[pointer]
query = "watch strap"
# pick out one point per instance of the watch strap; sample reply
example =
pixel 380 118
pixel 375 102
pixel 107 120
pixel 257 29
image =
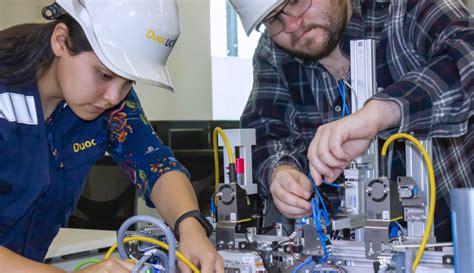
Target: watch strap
pixel 198 216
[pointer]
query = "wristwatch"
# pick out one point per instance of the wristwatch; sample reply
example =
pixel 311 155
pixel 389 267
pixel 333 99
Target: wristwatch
pixel 198 216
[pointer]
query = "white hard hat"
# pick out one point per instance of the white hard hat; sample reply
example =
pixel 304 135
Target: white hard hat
pixel 132 38
pixel 252 12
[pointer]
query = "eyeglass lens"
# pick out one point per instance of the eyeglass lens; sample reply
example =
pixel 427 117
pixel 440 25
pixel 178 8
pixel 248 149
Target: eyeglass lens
pixel 293 8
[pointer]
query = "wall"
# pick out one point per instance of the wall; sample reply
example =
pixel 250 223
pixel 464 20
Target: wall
pixel 470 5
pixel 189 63
pixel 190 70
pixel 229 87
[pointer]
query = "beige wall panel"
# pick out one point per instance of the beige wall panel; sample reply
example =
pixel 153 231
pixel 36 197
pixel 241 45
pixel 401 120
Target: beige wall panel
pixel 190 70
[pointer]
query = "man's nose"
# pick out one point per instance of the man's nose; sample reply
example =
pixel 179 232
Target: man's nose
pixel 291 24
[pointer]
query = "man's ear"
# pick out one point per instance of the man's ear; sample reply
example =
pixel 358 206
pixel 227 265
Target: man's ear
pixel 59 40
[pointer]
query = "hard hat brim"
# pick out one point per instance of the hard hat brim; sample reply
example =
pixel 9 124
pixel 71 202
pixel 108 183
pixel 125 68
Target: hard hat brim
pixel 106 48
pixel 130 67
pixel 252 12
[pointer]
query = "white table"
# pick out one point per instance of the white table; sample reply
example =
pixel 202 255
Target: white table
pixel 71 241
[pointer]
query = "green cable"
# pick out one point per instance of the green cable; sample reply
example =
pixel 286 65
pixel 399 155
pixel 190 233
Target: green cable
pixel 81 264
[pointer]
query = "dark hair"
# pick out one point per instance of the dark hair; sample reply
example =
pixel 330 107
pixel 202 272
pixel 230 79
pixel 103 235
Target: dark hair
pixel 25 50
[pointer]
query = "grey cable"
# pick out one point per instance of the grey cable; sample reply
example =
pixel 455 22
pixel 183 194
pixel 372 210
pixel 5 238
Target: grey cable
pixel 148 219
pixel 401 228
pixel 141 262
pixel 383 268
pixel 409 257
pixel 163 256
pixel 390 159
pixel 146 257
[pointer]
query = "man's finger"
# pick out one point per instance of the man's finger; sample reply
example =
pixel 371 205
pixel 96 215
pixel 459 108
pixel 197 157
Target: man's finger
pixel 287 196
pixel 289 210
pixel 320 168
pixel 317 178
pixel 298 190
pixel 337 173
pixel 297 202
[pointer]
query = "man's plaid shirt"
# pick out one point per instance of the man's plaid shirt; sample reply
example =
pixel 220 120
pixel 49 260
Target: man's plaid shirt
pixel 425 63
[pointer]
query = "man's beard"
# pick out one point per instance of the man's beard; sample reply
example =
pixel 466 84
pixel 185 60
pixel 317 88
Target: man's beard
pixel 332 32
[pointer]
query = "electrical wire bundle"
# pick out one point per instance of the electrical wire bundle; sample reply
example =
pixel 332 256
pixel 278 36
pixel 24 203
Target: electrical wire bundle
pixel 169 260
pixel 169 237
pixel 320 213
pixel 342 91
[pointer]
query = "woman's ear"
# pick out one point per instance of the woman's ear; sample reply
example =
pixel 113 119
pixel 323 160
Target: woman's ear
pixel 59 40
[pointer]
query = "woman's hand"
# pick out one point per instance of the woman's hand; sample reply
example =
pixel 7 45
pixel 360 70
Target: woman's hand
pixel 198 249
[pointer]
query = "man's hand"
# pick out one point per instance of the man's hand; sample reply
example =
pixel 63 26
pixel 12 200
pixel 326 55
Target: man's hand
pixel 195 246
pixel 291 190
pixel 337 143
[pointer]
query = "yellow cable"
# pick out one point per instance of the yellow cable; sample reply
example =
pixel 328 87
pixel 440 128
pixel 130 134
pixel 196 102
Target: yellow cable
pixel 431 210
pixel 396 219
pixel 244 220
pixel 216 156
pixel 156 242
pixel 216 165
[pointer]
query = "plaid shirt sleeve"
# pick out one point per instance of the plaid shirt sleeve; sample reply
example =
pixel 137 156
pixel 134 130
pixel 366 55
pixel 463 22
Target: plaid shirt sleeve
pixel 436 99
pixel 271 111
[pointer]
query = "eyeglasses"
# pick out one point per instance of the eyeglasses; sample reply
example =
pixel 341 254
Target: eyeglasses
pixel 273 22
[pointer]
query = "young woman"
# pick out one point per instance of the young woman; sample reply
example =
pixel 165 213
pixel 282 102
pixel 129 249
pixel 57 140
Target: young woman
pixel 66 97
